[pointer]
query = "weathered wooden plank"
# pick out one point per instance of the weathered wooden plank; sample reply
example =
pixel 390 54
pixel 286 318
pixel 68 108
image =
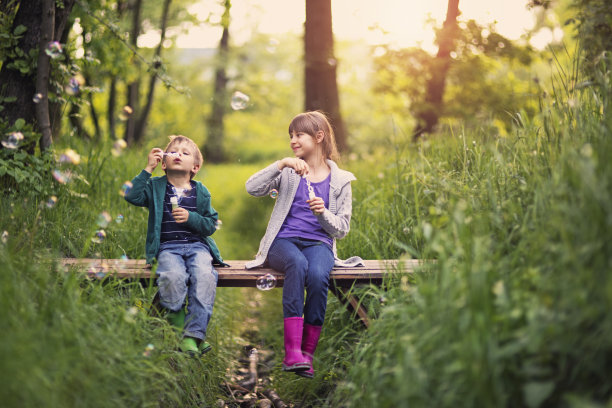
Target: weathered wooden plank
pixel 236 275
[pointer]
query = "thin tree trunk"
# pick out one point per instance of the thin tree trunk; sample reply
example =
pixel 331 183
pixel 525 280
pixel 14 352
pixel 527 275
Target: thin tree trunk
pixel 111 106
pixel 142 120
pixel 213 149
pixel 47 28
pixel 133 91
pixel 428 118
pixel 321 87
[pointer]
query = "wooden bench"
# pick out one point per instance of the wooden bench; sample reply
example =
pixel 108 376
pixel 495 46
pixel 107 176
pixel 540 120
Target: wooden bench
pixel 342 279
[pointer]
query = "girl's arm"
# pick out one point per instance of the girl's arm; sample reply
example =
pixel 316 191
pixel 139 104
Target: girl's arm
pixel 260 183
pixel 338 225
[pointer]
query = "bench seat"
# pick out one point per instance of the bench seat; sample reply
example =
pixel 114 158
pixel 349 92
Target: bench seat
pixel 342 279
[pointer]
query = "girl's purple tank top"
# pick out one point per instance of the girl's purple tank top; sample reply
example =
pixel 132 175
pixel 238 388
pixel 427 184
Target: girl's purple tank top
pixel 301 222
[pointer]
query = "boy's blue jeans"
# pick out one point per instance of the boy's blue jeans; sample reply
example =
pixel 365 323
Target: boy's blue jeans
pixel 186 271
pixel 306 263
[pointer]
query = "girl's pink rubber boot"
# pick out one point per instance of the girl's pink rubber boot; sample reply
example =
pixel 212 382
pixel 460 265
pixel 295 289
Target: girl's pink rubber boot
pixel 310 339
pixel 294 360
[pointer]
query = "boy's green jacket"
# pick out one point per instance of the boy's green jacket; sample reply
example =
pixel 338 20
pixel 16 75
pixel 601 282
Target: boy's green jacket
pixel 149 192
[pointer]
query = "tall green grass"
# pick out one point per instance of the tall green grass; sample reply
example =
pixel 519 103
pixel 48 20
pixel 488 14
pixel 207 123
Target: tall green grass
pixel 515 310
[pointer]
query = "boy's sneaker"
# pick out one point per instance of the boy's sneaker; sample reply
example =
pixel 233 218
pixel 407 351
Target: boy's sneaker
pixel 188 345
pixel 204 347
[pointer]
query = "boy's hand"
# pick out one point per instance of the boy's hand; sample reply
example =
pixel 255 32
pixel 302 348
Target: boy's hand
pixel 156 155
pixel 180 215
pixel 297 164
pixel 317 205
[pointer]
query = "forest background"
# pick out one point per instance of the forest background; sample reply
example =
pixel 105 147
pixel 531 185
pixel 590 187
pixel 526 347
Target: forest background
pixel 488 155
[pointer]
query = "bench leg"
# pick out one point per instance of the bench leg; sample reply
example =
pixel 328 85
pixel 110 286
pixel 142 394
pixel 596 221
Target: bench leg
pixel 351 303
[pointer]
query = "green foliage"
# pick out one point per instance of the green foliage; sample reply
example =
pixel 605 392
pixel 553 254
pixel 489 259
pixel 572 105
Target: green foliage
pixel 514 312
pixel 486 79
pixel 593 22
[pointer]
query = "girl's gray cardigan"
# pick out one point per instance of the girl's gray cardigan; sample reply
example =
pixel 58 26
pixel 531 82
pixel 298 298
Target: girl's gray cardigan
pixel 335 220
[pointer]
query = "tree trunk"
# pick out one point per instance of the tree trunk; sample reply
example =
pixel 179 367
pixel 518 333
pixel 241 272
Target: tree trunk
pixel 321 87
pixel 213 149
pixel 23 86
pixel 12 82
pixel 141 123
pixel 428 117
pixel 111 106
pixel 43 69
pixel 133 91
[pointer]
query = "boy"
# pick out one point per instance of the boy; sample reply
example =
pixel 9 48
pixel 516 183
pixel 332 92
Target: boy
pixel 181 220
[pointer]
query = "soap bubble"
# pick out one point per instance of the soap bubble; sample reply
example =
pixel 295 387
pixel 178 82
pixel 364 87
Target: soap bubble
pixel 51 202
pixel 54 49
pixel 126 112
pixel 125 188
pixel 98 270
pixel 266 282
pixel 119 219
pixel 70 156
pixel 239 100
pixel 62 177
pixel 103 219
pixel 13 140
pixel 98 237
pixel 148 350
pixel 219 224
pixel 274 193
pixel 118 147
pixel 37 98
pixel 4 237
pixel 74 84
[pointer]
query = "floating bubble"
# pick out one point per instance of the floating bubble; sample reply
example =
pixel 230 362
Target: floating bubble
pixel 148 350
pixel 98 237
pixel 125 188
pixel 126 112
pixel 98 270
pixel 4 237
pixel 266 282
pixel 62 177
pixel 103 219
pixel 13 140
pixel 239 100
pixel 119 219
pixel 70 156
pixel 37 98
pixel 219 224
pixel 274 193
pixel 118 147
pixel 74 84
pixel 54 49
pixel 51 202
pixel 124 257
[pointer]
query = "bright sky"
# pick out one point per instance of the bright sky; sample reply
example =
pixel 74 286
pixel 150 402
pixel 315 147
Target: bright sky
pixel 404 21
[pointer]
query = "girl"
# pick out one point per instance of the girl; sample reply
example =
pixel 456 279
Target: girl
pixel 312 210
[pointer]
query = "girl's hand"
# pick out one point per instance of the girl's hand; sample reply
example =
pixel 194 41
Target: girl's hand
pixel 299 165
pixel 155 156
pixel 317 205
pixel 180 215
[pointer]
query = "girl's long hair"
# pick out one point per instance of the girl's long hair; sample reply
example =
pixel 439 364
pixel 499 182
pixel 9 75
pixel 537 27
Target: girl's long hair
pixel 313 122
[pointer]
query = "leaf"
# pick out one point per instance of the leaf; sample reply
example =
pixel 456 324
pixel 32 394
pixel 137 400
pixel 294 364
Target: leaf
pixel 536 392
pixel 19 123
pixel 20 29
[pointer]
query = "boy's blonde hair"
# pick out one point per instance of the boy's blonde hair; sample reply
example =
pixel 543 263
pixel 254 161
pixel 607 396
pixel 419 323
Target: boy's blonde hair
pixel 313 122
pixel 178 139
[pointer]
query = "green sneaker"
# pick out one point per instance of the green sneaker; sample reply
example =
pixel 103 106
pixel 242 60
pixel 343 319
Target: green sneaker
pixel 188 345
pixel 204 347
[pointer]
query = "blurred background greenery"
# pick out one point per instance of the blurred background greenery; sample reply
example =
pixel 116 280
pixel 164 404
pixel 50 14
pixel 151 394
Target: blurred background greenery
pixel 510 194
